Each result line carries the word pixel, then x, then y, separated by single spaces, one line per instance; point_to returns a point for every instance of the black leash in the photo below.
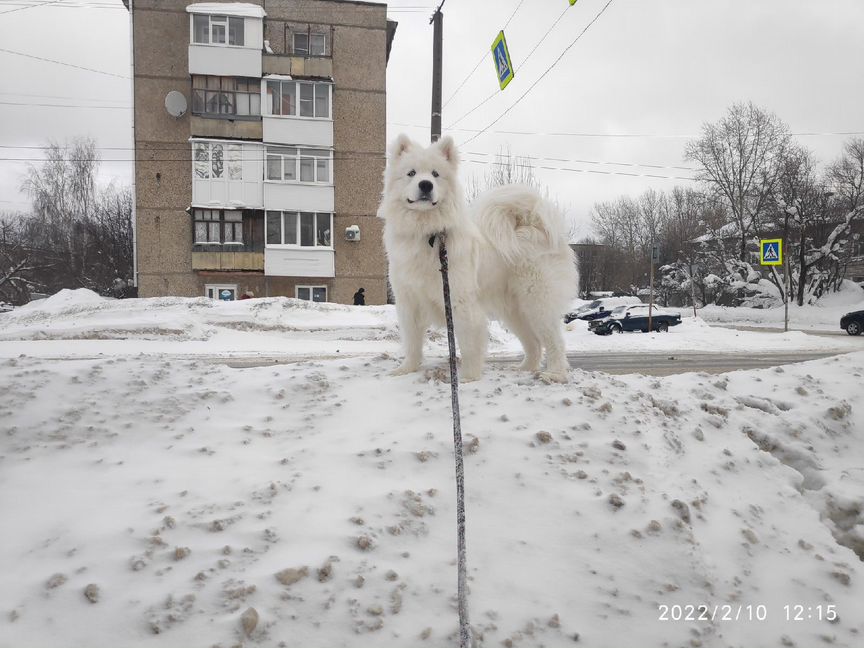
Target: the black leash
pixel 464 624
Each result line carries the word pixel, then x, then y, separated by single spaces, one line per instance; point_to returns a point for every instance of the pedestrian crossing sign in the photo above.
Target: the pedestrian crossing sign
pixel 501 58
pixel 771 252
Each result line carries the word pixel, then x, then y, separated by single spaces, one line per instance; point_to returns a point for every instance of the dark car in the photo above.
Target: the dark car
pixel 574 315
pixel 595 310
pixel 853 323
pixel 635 318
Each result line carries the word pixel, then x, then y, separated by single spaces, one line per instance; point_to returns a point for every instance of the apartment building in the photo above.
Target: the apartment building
pixel 259 146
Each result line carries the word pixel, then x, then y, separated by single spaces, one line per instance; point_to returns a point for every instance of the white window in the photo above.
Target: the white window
pixel 309 43
pixel 298 99
pixel 218 227
pixel 210 159
pixel 217 30
pixel 311 293
pixel 226 97
pixel 223 292
pixel 289 164
pixel 303 229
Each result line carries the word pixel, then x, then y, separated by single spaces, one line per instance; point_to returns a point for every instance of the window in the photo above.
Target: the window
pixel 298 99
pixel 217 227
pixel 305 229
pixel 312 293
pixel 857 246
pixel 210 159
pixel 226 96
pixel 286 164
pixel 309 43
pixel 217 30
pixel 223 292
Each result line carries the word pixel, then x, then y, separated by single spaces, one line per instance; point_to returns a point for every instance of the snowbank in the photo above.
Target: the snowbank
pixel 151 502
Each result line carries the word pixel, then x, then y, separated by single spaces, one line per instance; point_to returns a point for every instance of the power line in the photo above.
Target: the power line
pixel 518 67
pixel 542 76
pixel 619 135
pixel 482 58
pixel 30 6
pixel 185 147
pixel 41 105
pixel 77 67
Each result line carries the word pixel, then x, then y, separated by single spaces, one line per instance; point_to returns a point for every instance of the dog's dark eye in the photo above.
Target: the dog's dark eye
pixel 412 173
pixel 434 174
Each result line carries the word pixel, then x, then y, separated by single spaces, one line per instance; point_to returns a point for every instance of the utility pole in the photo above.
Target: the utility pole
pixel 437 22
pixel 693 287
pixel 465 637
pixel 655 254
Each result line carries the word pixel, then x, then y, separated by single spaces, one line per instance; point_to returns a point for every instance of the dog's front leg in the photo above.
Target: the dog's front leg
pixel 472 333
pixel 411 329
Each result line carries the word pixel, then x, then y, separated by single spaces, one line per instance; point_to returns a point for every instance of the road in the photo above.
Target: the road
pixel 651 364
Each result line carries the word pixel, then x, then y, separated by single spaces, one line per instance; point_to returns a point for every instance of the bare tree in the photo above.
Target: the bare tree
pixel 77 235
pixel 741 157
pixel 846 174
pixel 505 169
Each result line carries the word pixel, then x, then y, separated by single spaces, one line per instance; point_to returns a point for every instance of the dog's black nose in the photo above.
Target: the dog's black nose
pixel 425 186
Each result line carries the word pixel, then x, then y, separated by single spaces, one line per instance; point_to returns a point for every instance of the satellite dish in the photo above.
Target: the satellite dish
pixel 175 103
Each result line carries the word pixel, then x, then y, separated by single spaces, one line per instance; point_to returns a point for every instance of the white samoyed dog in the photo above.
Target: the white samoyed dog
pixel 508 259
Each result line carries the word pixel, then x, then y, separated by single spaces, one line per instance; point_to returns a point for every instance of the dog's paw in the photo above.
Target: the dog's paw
pixel 549 377
pixel 404 369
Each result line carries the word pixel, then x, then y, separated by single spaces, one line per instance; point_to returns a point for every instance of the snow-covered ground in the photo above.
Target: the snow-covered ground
pixel 822 316
pixel 81 324
pixel 152 499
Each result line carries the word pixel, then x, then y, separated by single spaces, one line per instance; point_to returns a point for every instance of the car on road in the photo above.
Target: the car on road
pixel 853 323
pixel 635 318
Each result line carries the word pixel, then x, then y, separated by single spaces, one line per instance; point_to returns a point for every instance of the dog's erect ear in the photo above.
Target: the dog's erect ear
pixel 448 149
pixel 400 145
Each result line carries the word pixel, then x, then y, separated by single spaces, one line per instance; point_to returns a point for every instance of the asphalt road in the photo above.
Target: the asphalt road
pixel 651 364
pixel 665 364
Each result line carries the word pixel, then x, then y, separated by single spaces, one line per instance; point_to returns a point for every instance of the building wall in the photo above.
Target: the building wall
pixel 164 169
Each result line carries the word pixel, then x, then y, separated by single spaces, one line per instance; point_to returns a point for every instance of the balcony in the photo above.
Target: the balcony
pixel 299 262
pixel 298 112
pixel 225 39
pixel 227 174
pixel 228 260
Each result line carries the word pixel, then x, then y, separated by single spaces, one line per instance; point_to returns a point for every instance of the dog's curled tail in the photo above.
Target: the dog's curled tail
pixel 519 222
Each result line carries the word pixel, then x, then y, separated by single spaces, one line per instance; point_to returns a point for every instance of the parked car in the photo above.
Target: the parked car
pixel 635 318
pixel 5 307
pixel 853 323
pixel 599 308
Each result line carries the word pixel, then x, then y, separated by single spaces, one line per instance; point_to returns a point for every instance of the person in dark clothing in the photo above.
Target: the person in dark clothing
pixel 360 297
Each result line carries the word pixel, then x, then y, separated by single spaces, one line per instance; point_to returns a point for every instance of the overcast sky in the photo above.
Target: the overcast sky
pixel 641 80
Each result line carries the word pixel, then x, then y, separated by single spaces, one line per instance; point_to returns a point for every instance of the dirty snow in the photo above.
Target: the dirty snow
pixel 159 501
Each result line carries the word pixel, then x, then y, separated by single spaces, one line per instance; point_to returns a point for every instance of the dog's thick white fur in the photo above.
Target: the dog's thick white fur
pixel 508 259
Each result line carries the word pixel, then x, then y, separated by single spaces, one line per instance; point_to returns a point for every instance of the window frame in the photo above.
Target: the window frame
pixel 215 288
pixel 227 24
pixel 311 290
pixel 298 235
pixel 267 101
pixel 231 152
pixel 297 157
pixel 309 33
pixel 222 222
pixel 227 85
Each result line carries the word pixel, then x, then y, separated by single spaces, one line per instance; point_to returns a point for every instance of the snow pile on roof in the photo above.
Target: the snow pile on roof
pixel 155 503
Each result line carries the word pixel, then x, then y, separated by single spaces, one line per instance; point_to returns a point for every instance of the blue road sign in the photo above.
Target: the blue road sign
pixel 771 252
pixel 501 58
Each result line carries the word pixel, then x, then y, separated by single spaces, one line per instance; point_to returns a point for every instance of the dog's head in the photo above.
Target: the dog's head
pixel 419 178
